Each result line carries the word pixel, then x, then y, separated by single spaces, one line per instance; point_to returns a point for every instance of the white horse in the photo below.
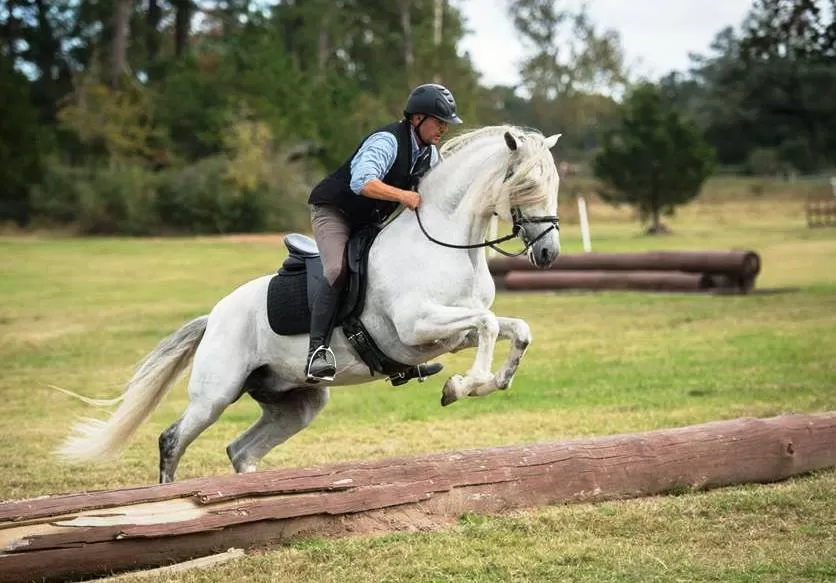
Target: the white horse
pixel 424 299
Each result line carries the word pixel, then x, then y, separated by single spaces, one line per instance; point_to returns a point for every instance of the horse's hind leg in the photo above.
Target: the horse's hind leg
pixel 286 414
pixel 213 386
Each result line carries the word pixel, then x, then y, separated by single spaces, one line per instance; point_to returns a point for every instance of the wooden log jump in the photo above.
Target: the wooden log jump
pixel 80 535
pixel 616 280
pixel 715 271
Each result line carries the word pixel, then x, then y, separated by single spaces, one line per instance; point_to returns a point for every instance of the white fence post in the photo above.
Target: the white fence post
pixel 587 244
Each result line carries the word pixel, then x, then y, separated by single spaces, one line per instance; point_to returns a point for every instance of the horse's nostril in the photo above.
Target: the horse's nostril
pixel 545 255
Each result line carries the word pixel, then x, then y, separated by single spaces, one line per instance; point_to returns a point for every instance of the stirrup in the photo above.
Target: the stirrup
pixel 327 354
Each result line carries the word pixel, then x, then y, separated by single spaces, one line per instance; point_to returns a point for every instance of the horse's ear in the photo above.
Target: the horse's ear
pixel 552 140
pixel 510 141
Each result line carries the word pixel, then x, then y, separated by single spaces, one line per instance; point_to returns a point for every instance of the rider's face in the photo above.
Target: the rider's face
pixel 432 130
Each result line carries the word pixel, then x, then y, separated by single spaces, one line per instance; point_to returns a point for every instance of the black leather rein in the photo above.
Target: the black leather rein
pixel 519 222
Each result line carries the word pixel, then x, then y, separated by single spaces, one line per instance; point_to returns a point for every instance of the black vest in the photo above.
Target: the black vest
pixel 362 210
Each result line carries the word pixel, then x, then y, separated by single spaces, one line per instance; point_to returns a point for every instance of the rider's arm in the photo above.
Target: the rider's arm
pixel 373 161
pixel 376 188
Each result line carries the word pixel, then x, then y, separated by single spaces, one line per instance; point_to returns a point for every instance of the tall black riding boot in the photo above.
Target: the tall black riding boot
pixel 322 365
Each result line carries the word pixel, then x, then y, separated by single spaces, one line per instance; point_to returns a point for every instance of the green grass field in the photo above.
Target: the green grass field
pixel 79 313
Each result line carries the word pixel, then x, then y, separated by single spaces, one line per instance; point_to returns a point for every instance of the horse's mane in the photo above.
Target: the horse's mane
pixel 533 179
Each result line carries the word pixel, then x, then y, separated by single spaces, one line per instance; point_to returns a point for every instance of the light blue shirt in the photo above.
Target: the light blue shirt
pixel 376 156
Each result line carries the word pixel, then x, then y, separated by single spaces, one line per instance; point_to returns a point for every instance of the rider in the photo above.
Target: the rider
pixel 381 174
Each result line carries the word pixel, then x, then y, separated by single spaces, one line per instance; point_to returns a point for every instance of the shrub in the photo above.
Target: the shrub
pixel 764 162
pixel 200 198
pixel 108 201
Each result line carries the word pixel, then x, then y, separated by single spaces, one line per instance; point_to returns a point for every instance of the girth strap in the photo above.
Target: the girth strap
pixel 362 342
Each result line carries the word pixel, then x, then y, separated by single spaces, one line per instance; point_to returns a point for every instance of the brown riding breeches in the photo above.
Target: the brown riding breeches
pixel 331 231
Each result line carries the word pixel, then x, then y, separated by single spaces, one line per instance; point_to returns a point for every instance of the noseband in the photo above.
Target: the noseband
pixel 518 227
pixel 519 222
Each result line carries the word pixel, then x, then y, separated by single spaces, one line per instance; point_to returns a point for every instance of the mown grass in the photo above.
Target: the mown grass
pixel 79 313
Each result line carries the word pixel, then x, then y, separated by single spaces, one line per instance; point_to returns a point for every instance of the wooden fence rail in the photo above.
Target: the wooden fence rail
pixel 821 212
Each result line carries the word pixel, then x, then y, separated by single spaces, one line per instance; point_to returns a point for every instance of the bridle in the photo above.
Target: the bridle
pixel 519 222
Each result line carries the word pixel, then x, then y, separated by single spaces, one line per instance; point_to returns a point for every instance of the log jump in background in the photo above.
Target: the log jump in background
pixel 683 271
pixel 79 535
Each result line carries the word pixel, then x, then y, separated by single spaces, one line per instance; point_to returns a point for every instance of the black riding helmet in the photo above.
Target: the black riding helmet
pixel 435 100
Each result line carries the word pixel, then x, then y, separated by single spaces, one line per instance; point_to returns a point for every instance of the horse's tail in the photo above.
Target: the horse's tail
pixel 93 439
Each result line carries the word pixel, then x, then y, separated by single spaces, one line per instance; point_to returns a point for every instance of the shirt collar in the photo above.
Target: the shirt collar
pixel 414 141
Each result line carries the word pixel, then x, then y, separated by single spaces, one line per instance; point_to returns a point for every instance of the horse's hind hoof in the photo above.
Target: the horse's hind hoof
pixel 451 391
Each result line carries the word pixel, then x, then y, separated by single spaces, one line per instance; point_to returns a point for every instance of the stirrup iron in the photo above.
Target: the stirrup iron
pixel 327 354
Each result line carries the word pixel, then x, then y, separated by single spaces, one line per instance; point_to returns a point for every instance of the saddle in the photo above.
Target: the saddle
pixel 292 291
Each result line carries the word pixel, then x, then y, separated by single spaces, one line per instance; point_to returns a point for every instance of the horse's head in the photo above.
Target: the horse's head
pixel 529 198
pixel 507 171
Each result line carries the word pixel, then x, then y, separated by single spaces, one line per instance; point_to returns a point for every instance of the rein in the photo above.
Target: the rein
pixel 519 222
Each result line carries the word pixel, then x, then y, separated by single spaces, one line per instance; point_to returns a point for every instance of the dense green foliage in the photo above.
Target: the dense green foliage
pixel 767 91
pixel 20 150
pixel 110 107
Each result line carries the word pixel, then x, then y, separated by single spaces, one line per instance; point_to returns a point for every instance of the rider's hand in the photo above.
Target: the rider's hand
pixel 411 199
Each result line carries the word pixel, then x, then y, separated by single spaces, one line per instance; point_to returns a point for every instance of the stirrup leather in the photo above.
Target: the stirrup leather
pixel 327 354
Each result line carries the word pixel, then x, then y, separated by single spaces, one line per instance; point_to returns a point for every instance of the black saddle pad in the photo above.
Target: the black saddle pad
pixel 292 290
pixel 288 309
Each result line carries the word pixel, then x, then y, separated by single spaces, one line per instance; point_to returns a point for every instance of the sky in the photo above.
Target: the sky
pixel 656 35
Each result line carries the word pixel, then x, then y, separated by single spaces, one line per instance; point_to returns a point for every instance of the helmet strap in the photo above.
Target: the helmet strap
pixel 418 133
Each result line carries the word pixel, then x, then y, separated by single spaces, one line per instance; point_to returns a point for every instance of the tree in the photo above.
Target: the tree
pixel 789 50
pixel 571 71
pixel 570 54
pixel 20 156
pixel 182 24
pixel 717 101
pixel 126 88
pixel 119 42
pixel 763 95
pixel 653 160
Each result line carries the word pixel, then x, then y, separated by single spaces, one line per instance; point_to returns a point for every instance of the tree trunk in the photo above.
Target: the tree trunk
pixel 119 43
pixel 182 19
pixel 45 51
pixel 152 35
pixel 655 203
pixel 438 20
pixel 408 50
pixel 10 32
pixel 324 46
